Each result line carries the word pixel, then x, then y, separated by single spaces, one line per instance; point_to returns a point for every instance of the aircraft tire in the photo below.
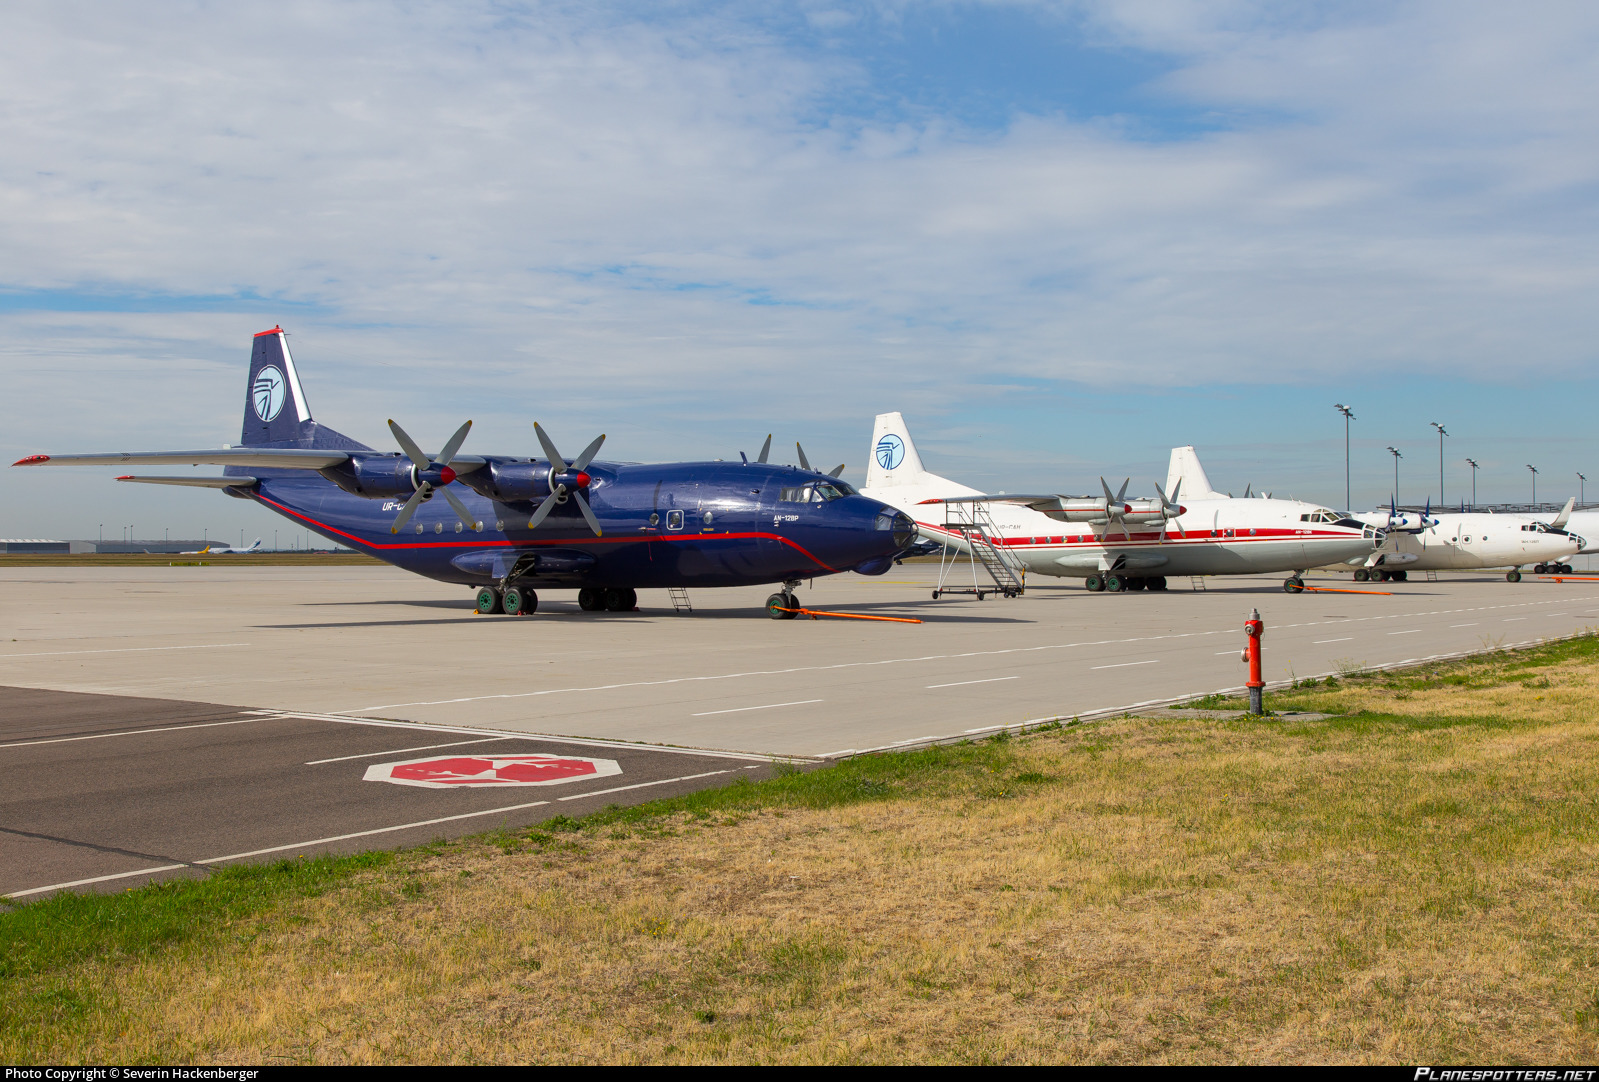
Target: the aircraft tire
pixel 782 606
pixel 1114 584
pixel 1094 583
pixel 1565 569
pixel 1157 582
pixel 520 602
pixel 1401 575
pixel 618 600
pixel 590 600
pixel 1294 585
pixel 1361 574
pixel 1513 576
pixel 489 601
pixel 1137 583
pixel 1540 569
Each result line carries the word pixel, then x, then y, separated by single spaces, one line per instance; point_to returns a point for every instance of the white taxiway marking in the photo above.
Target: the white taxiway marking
pixel 1511 619
pixel 647 784
pixel 400 751
pixel 1555 614
pixel 768 706
pixel 129 732
pixel 959 683
pixel 1224 653
pixel 1320 642
pixel 1462 625
pixel 1125 664
pixel 1412 631
pixel 130 650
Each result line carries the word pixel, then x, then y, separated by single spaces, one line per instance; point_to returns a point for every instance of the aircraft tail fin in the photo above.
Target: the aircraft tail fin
pixel 276 413
pixel 1185 468
pixel 893 461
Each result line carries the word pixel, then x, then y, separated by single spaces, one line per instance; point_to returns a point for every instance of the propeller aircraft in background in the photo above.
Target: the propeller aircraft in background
pixel 1109 541
pixel 510 525
pixel 215 548
pixel 1472 540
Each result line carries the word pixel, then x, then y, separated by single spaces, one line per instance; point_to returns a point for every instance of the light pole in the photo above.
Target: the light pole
pixel 1474 467
pixel 1349 503
pixel 1534 470
pixel 1441 435
pixel 1397 456
pixel 1582 488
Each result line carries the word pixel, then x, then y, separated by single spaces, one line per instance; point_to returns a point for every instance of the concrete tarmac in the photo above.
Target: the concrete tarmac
pixel 378 643
pixel 104 792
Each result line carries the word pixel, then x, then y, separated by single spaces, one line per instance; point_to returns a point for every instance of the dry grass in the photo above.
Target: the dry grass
pixel 1411 885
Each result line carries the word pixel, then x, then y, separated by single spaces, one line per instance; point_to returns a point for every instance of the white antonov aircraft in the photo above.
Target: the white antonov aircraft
pixel 1448 541
pixel 1113 543
pixel 224 550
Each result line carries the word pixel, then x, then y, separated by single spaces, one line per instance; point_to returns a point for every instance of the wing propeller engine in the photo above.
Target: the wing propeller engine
pixel 428 474
pixel 1115 508
pixel 567 482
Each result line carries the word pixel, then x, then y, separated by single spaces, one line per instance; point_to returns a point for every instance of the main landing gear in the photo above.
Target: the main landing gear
pixel 1377 574
pixel 1550 569
pixel 783 605
pixel 1115 583
pixel 519 601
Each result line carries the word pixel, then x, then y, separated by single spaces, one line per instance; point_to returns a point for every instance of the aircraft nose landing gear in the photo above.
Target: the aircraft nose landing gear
pixel 784 605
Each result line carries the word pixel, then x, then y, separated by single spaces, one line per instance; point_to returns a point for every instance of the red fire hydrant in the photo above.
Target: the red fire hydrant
pixel 1255 628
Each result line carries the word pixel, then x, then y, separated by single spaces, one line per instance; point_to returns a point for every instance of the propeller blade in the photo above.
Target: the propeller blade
pixel 804 462
pixel 1109 499
pixel 542 512
pixel 1246 490
pixel 1175 489
pixel 408 445
pixel 1122 495
pixel 583 506
pixel 410 506
pixel 448 454
pixel 766 449
pixel 557 462
pixel 838 471
pixel 460 508
pixel 582 460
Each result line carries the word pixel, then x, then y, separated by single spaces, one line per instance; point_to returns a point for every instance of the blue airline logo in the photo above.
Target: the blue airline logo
pixel 267 393
pixel 890 451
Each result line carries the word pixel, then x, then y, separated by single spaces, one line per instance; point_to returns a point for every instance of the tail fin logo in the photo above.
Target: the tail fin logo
pixel 268 393
pixel 890 451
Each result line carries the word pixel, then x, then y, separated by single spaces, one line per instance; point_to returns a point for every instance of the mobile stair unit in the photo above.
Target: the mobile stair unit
pixel 984 547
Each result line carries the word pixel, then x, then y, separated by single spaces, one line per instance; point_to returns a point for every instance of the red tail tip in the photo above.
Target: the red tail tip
pixel 31 460
pixel 274 330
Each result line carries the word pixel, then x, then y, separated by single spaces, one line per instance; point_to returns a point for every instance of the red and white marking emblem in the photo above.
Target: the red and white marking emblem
pixel 449 772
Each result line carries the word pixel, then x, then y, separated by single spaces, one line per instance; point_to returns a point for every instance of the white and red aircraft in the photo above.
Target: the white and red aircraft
pixel 1113 543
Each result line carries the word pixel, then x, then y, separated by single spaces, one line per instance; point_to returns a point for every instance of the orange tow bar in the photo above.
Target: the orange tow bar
pixel 1574 578
pixel 1335 590
pixel 814 613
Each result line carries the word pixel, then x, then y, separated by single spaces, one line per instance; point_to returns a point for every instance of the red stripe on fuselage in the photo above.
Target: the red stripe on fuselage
pixel 508 543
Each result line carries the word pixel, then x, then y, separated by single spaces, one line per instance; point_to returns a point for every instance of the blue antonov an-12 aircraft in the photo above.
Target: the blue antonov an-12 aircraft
pixel 519 523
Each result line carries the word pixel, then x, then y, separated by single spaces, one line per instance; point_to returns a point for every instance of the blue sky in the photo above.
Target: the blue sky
pixel 1060 237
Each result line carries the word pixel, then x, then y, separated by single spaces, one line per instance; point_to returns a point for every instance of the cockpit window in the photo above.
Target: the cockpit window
pixel 1320 515
pixel 820 492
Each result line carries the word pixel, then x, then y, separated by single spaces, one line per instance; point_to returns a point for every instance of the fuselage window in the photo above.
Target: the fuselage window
pixel 674 520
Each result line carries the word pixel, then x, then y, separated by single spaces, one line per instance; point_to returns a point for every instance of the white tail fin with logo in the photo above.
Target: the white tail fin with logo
pixel 894 462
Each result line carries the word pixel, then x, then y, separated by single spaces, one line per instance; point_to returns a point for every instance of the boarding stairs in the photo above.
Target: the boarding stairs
pixel 974 525
pixel 679 598
pixel 1197 582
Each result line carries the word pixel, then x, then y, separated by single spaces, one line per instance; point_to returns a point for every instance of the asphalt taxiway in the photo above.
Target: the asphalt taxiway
pixel 291 670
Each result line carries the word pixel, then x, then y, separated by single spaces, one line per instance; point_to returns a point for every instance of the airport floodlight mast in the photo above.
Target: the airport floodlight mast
pixel 1582 488
pixel 1441 434
pixel 1397 456
pixel 1348 416
pixel 1534 470
pixel 1475 466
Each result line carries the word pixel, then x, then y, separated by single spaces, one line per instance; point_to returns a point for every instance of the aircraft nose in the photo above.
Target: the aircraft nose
pixel 900 525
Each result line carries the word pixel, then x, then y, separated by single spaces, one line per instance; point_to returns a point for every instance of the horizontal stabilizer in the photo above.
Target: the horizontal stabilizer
pixel 194 482
pixel 283 458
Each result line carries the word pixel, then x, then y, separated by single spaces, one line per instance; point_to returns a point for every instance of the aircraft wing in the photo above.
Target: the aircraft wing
pixel 193 482
pixel 283 458
pixel 1045 502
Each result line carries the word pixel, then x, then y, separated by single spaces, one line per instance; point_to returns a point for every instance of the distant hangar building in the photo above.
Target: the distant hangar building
pixel 15 546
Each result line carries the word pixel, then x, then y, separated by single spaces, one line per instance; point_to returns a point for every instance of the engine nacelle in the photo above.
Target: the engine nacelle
pixel 510 482
pixel 374 476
